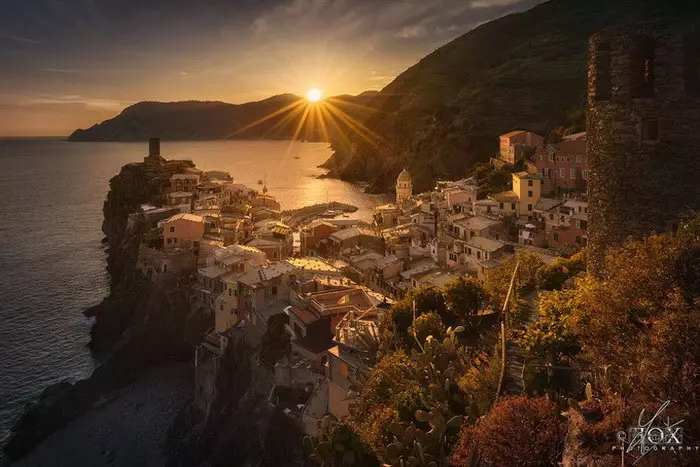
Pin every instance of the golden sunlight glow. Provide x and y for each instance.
(314, 94)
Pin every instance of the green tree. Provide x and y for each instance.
(464, 297)
(427, 324)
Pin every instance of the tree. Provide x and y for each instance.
(553, 276)
(428, 299)
(464, 298)
(551, 338)
(496, 282)
(518, 431)
(427, 324)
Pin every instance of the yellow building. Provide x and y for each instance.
(526, 192)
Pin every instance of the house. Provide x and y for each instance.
(515, 145)
(521, 200)
(183, 182)
(247, 293)
(183, 231)
(273, 249)
(468, 254)
(386, 215)
(567, 226)
(563, 166)
(314, 317)
(353, 237)
(470, 227)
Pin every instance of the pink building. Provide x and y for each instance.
(514, 144)
(563, 166)
(183, 231)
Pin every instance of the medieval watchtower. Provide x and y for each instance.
(643, 132)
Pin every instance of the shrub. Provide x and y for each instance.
(519, 431)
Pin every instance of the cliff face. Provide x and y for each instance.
(137, 326)
(523, 71)
(237, 426)
(273, 118)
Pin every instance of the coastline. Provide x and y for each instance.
(128, 428)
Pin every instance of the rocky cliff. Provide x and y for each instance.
(137, 326)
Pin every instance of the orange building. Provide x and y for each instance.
(514, 144)
(183, 231)
(563, 166)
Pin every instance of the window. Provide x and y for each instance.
(174, 240)
(529, 193)
(486, 255)
(551, 156)
(650, 130)
(172, 228)
(529, 183)
(551, 217)
(583, 225)
(469, 251)
(343, 369)
(512, 206)
(529, 207)
(501, 205)
(572, 173)
(471, 234)
(555, 237)
(478, 255)
(274, 290)
(170, 240)
(643, 67)
(603, 73)
(584, 174)
(562, 173)
(453, 257)
(691, 55)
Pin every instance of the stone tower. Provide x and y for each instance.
(404, 187)
(643, 132)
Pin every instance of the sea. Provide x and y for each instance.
(52, 261)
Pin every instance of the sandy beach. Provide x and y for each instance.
(129, 430)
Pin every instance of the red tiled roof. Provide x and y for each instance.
(304, 314)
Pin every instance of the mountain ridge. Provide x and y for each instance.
(216, 120)
(526, 70)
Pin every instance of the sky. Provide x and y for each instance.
(67, 64)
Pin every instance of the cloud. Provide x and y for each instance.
(74, 99)
(409, 32)
(15, 38)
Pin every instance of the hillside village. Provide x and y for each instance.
(329, 278)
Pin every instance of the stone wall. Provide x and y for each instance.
(641, 180)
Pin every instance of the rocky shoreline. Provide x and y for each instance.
(137, 327)
(126, 427)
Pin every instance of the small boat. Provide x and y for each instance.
(297, 157)
(260, 182)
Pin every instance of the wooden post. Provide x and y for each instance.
(504, 316)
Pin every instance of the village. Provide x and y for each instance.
(330, 279)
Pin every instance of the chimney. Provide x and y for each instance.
(154, 147)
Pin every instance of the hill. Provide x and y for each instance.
(196, 120)
(523, 71)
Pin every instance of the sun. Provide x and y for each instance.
(314, 94)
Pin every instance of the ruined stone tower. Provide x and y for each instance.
(643, 132)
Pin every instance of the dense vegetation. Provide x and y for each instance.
(523, 71)
(617, 343)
